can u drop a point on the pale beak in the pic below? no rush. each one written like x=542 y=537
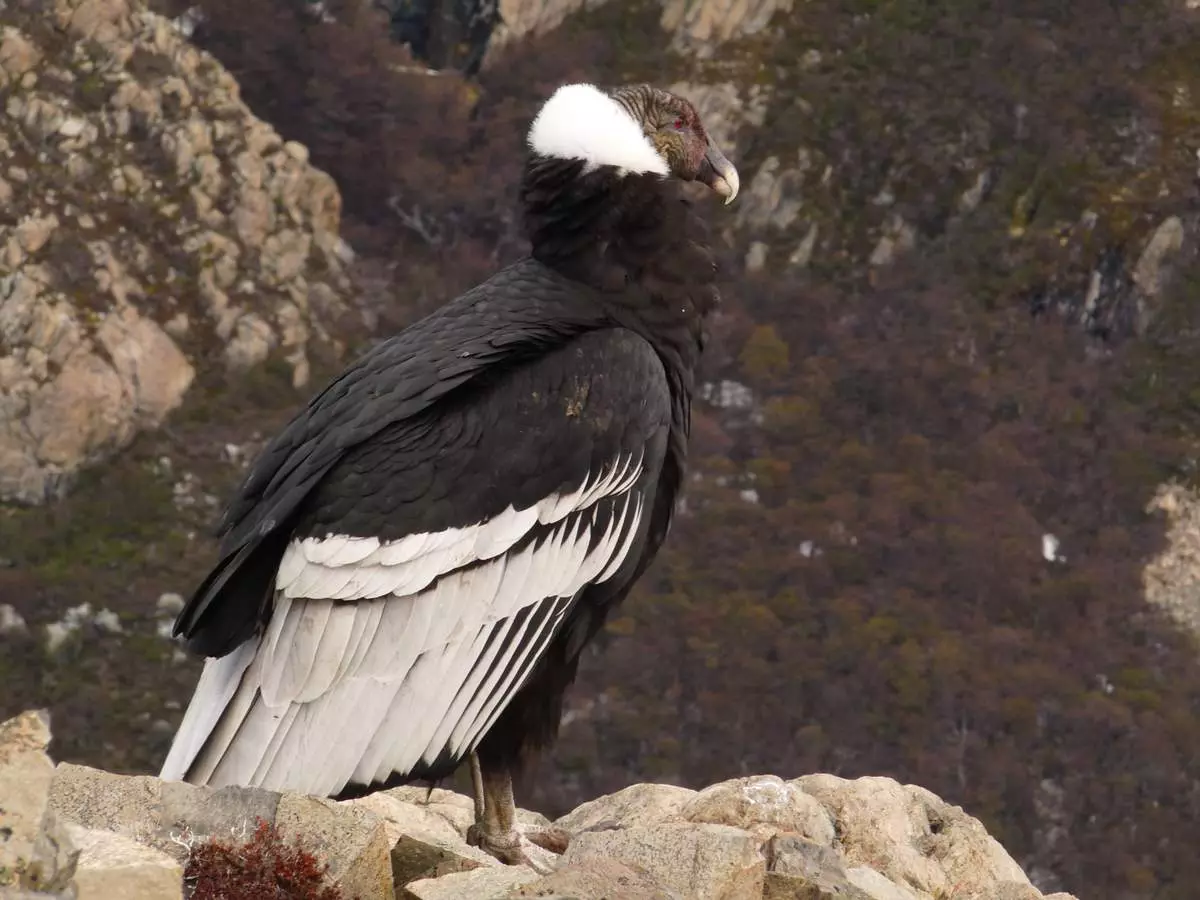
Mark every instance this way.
x=719 y=174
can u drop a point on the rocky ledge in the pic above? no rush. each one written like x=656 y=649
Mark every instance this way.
x=73 y=832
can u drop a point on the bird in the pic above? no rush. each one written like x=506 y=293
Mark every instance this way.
x=411 y=568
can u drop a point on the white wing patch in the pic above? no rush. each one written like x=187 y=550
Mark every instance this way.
x=424 y=662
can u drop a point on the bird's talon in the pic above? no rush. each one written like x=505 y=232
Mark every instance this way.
x=510 y=849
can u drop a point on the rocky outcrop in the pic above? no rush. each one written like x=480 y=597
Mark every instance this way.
x=72 y=828
x=1172 y=579
x=151 y=230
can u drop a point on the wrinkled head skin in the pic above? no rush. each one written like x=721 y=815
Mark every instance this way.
x=636 y=129
x=674 y=128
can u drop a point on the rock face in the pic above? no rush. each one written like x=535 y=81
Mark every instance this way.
x=1172 y=579
x=72 y=828
x=149 y=224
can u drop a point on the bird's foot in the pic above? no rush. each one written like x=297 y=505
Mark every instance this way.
x=516 y=848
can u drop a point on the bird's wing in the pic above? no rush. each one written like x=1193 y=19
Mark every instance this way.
x=522 y=311
x=430 y=569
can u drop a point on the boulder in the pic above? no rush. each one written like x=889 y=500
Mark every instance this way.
x=764 y=804
x=111 y=865
x=171 y=817
x=910 y=836
x=702 y=862
x=35 y=850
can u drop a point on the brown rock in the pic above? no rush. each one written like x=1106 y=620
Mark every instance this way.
x=151 y=367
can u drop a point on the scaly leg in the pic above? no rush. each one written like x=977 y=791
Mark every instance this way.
x=495 y=830
x=477 y=787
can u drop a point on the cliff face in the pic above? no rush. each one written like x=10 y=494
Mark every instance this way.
x=152 y=231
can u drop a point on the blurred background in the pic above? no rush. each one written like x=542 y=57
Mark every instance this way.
x=943 y=523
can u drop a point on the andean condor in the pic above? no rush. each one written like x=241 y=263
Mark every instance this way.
x=410 y=569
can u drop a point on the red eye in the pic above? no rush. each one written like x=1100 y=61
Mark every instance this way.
x=679 y=124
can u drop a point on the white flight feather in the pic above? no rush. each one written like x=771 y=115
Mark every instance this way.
x=335 y=692
x=580 y=121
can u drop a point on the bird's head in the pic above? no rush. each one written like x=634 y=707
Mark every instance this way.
x=634 y=129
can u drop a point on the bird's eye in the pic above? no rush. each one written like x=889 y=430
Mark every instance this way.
x=679 y=124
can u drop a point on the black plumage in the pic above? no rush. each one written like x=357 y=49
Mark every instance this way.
x=545 y=411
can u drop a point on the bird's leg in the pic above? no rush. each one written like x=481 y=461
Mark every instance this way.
x=495 y=814
x=495 y=830
x=477 y=786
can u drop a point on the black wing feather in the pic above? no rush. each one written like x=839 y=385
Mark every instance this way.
x=521 y=312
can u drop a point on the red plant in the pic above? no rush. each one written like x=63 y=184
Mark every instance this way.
x=263 y=868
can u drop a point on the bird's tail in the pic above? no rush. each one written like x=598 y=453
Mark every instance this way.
x=215 y=691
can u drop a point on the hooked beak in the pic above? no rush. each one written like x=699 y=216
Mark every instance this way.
x=719 y=174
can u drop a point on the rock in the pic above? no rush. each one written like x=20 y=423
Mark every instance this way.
x=111 y=865
x=597 y=879
x=636 y=805
x=1154 y=267
x=800 y=869
x=103 y=251
x=1171 y=580
x=774 y=194
x=424 y=844
x=898 y=237
x=520 y=18
x=763 y=803
x=478 y=884
x=86 y=833
x=872 y=884
x=11 y=621
x=703 y=862
x=168 y=815
x=756 y=256
x=910 y=836
x=35 y=851
x=353 y=841
x=700 y=26
x=457 y=809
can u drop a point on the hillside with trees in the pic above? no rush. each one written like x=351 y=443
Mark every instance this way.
x=956 y=358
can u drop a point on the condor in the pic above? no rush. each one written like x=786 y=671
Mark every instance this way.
x=410 y=569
